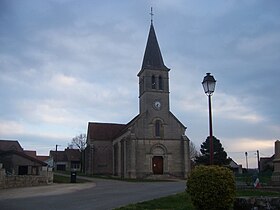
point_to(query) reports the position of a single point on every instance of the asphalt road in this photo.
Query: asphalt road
(103, 194)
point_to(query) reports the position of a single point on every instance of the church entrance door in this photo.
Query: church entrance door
(157, 165)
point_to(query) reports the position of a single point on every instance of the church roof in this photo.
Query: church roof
(152, 57)
(104, 131)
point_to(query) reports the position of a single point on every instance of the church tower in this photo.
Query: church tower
(153, 78)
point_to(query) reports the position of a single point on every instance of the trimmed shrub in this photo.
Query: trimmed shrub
(211, 187)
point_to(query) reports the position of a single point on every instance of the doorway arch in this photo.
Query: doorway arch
(157, 162)
(158, 159)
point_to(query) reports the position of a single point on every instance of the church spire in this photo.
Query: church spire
(152, 57)
(152, 14)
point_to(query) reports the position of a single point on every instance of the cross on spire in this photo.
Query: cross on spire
(152, 14)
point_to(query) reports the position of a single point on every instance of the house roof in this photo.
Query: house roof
(73, 154)
(22, 154)
(30, 153)
(66, 155)
(268, 158)
(104, 131)
(43, 158)
(59, 155)
(233, 164)
(152, 57)
(6, 145)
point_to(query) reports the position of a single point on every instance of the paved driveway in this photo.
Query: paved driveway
(102, 194)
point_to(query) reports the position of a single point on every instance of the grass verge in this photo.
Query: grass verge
(64, 179)
(182, 201)
(179, 201)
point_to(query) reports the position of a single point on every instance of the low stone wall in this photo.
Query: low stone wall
(257, 203)
(12, 181)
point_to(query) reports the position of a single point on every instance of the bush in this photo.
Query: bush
(211, 187)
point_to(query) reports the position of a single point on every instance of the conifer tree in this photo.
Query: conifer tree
(219, 157)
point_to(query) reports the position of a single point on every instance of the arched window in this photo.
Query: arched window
(160, 83)
(153, 82)
(157, 128)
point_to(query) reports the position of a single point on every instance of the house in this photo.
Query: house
(153, 144)
(19, 168)
(67, 160)
(16, 161)
(266, 163)
(236, 168)
(43, 158)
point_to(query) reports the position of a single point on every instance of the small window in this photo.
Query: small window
(22, 170)
(153, 82)
(160, 83)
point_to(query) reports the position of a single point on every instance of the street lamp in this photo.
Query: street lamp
(208, 84)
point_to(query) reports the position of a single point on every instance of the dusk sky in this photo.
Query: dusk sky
(64, 63)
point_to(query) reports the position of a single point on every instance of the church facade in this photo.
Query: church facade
(153, 144)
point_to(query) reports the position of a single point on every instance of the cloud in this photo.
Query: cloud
(11, 127)
(232, 108)
(264, 45)
(248, 144)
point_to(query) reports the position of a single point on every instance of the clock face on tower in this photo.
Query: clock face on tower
(157, 105)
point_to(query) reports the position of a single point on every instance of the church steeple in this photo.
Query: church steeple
(153, 79)
(152, 57)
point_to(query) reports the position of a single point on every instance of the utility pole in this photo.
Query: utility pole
(55, 166)
(258, 160)
(246, 156)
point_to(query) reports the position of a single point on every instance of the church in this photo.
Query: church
(153, 144)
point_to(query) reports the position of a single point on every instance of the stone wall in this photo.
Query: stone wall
(14, 181)
(257, 203)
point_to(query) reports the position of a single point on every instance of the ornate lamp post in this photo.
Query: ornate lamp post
(208, 84)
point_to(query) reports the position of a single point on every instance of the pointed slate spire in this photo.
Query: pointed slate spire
(152, 57)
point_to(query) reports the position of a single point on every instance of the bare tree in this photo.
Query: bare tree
(79, 142)
(193, 151)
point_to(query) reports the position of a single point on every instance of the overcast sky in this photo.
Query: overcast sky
(64, 63)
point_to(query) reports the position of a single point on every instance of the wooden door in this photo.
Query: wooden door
(157, 165)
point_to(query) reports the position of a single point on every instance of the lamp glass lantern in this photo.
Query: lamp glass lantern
(209, 84)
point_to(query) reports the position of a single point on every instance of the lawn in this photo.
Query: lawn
(182, 201)
(248, 178)
(179, 201)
